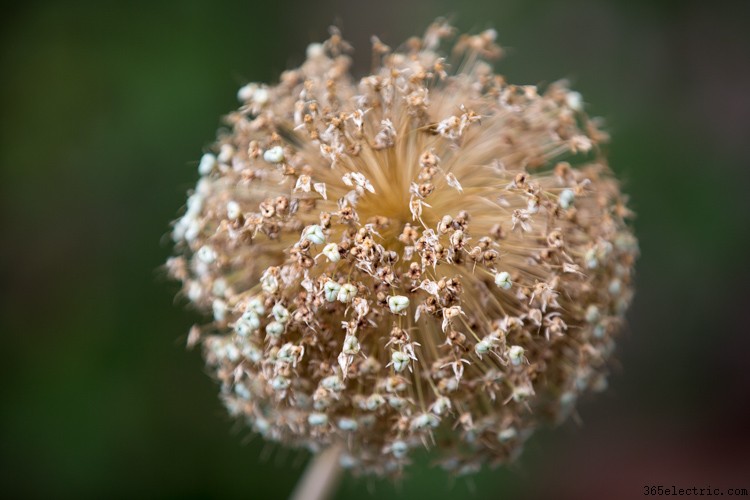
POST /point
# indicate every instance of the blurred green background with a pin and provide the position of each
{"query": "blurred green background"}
(106, 107)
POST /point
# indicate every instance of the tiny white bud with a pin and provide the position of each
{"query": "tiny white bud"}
(274, 155)
(269, 283)
(246, 92)
(331, 251)
(261, 425)
(332, 383)
(590, 258)
(441, 405)
(399, 360)
(532, 206)
(599, 331)
(398, 303)
(281, 313)
(248, 323)
(315, 50)
(274, 329)
(347, 293)
(395, 384)
(252, 353)
(280, 383)
(348, 424)
(285, 354)
(314, 234)
(203, 188)
(220, 287)
(225, 153)
(233, 210)
(615, 286)
(399, 449)
(515, 354)
(574, 100)
(217, 347)
(257, 306)
(195, 291)
(507, 434)
(231, 352)
(567, 197)
(193, 230)
(242, 391)
(206, 164)
(424, 420)
(347, 461)
(369, 366)
(206, 254)
(351, 345)
(583, 378)
(451, 384)
(397, 402)
(502, 279)
(219, 309)
(600, 384)
(626, 242)
(331, 290)
(522, 393)
(374, 402)
(317, 419)
(592, 314)
(260, 96)
(180, 228)
(482, 347)
(568, 398)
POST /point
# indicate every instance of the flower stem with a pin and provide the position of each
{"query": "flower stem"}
(321, 476)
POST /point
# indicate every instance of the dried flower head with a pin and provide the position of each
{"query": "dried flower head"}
(424, 257)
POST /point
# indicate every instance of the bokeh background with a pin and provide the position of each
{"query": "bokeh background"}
(105, 108)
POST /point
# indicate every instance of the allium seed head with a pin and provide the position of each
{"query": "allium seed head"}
(425, 256)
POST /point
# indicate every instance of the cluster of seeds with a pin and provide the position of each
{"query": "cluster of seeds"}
(424, 257)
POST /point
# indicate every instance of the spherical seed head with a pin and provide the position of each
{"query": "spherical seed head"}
(420, 257)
